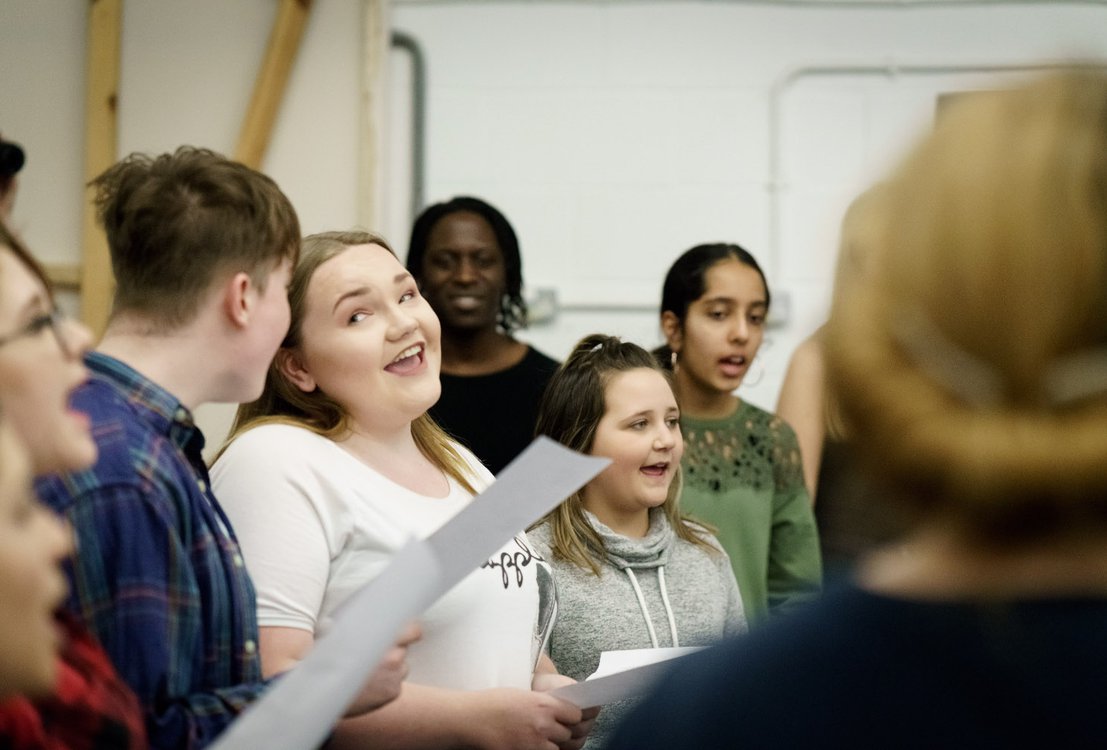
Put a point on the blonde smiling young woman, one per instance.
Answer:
(330, 472)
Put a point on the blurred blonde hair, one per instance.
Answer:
(860, 230)
(971, 362)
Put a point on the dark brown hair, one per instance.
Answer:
(686, 281)
(176, 222)
(12, 242)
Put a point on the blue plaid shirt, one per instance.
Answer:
(158, 576)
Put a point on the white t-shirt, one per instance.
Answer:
(315, 524)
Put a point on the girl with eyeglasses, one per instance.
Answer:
(57, 687)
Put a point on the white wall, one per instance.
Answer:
(188, 71)
(613, 135)
(617, 135)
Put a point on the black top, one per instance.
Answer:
(864, 671)
(855, 515)
(494, 415)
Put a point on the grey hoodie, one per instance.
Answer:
(656, 591)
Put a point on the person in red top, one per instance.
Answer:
(90, 708)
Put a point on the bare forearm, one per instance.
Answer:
(422, 717)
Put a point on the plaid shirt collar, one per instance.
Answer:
(164, 411)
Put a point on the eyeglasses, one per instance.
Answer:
(55, 320)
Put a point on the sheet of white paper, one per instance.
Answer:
(622, 660)
(537, 480)
(629, 683)
(302, 708)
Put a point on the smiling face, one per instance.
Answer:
(368, 340)
(32, 543)
(39, 368)
(721, 331)
(640, 433)
(463, 274)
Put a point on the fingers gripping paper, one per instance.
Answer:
(302, 707)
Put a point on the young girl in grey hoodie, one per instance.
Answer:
(631, 571)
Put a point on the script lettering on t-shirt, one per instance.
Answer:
(516, 561)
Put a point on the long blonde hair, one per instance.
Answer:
(860, 230)
(971, 362)
(282, 401)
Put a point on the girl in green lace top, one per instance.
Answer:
(742, 467)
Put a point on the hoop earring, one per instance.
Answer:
(758, 376)
(759, 361)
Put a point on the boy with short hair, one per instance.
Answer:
(202, 249)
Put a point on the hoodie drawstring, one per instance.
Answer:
(646, 612)
(668, 607)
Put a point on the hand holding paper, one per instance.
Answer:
(302, 708)
(385, 683)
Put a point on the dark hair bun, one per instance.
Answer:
(11, 158)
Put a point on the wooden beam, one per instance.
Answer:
(102, 85)
(371, 131)
(284, 43)
(63, 275)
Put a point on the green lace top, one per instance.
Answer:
(744, 476)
